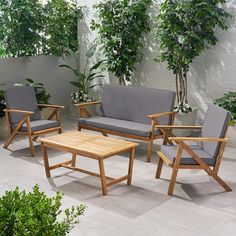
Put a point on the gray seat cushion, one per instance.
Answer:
(21, 98)
(135, 103)
(117, 125)
(39, 125)
(171, 151)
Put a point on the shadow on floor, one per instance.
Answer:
(129, 201)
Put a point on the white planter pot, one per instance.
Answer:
(74, 111)
(231, 134)
(185, 119)
(3, 128)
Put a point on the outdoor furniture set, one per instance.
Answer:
(138, 113)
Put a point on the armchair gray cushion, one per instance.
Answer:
(21, 98)
(171, 151)
(37, 125)
(123, 126)
(215, 125)
(134, 103)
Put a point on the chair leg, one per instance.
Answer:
(172, 181)
(149, 154)
(159, 168)
(79, 128)
(31, 145)
(9, 140)
(218, 180)
(60, 131)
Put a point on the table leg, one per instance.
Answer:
(73, 161)
(102, 175)
(45, 159)
(131, 163)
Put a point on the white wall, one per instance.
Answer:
(211, 74)
(41, 69)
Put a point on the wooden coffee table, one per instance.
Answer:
(92, 146)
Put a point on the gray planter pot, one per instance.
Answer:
(231, 134)
(3, 128)
(74, 113)
(185, 119)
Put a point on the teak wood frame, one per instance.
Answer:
(32, 135)
(153, 121)
(211, 170)
(71, 164)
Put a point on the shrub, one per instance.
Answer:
(34, 213)
(228, 102)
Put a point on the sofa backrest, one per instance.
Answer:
(135, 103)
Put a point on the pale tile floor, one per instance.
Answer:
(199, 206)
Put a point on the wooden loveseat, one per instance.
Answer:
(131, 112)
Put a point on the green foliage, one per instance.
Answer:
(2, 104)
(35, 213)
(61, 26)
(21, 22)
(121, 25)
(184, 29)
(31, 28)
(228, 102)
(41, 93)
(86, 77)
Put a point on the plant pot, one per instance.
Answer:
(185, 119)
(3, 128)
(45, 113)
(231, 134)
(74, 113)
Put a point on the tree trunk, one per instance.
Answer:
(122, 80)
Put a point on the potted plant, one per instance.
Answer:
(41, 93)
(35, 213)
(184, 29)
(86, 79)
(228, 102)
(121, 26)
(3, 125)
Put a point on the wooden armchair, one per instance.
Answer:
(23, 116)
(206, 154)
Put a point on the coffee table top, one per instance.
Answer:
(87, 144)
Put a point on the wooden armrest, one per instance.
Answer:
(177, 127)
(50, 105)
(19, 111)
(87, 103)
(153, 116)
(199, 139)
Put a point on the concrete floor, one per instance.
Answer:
(199, 206)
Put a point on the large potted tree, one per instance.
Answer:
(184, 29)
(121, 25)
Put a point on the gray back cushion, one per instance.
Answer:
(21, 98)
(215, 125)
(134, 104)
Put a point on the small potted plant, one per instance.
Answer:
(228, 102)
(85, 79)
(35, 213)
